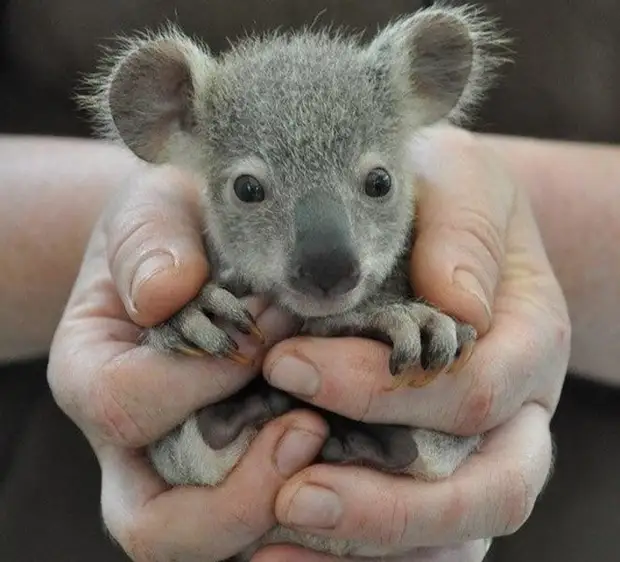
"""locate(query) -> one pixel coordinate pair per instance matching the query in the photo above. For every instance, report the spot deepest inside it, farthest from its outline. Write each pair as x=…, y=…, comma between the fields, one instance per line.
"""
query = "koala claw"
x=240, y=359
x=192, y=332
x=420, y=380
x=255, y=331
x=413, y=380
x=190, y=351
x=419, y=335
x=462, y=357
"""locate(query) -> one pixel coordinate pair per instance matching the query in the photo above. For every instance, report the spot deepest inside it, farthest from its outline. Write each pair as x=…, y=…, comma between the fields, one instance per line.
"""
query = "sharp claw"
x=411, y=380
x=418, y=380
x=191, y=351
x=253, y=328
x=239, y=358
x=257, y=333
x=463, y=358
x=398, y=381
x=423, y=380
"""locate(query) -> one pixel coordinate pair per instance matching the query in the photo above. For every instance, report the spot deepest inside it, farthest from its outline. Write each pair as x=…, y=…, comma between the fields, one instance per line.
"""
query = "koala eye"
x=248, y=189
x=378, y=183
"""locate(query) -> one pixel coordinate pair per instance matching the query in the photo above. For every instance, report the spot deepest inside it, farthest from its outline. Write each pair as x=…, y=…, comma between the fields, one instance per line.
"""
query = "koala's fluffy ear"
x=145, y=94
x=438, y=61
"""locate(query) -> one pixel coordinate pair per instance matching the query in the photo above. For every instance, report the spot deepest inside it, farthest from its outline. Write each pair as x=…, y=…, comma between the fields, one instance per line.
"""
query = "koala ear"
x=146, y=94
x=437, y=61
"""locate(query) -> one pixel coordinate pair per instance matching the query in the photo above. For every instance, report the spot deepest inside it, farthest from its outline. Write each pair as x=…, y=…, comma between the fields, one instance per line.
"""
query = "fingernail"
x=295, y=375
x=296, y=450
x=468, y=282
x=152, y=265
x=314, y=506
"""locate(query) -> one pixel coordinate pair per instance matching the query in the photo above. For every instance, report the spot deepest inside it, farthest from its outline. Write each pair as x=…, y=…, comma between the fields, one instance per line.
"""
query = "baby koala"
x=303, y=142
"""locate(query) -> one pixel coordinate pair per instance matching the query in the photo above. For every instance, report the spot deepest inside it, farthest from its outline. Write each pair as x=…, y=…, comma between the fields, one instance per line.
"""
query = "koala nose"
x=324, y=262
x=326, y=273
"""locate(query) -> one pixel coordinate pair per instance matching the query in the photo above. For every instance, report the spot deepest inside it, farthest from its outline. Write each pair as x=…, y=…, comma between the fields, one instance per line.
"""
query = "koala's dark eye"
x=249, y=190
x=378, y=183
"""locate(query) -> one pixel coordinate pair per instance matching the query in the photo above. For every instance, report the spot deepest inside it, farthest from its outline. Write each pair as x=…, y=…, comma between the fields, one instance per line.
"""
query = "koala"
x=303, y=143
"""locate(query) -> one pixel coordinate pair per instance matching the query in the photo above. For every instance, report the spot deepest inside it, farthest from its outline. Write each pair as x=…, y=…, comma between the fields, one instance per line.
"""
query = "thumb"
x=154, y=246
x=201, y=522
x=465, y=205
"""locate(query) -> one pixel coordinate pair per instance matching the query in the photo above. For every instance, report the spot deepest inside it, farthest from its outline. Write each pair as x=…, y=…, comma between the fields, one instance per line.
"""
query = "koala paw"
x=388, y=448
x=192, y=330
x=422, y=453
x=419, y=334
x=206, y=447
x=254, y=405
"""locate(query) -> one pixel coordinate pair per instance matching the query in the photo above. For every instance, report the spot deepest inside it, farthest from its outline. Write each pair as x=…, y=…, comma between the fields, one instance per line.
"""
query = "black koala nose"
x=326, y=273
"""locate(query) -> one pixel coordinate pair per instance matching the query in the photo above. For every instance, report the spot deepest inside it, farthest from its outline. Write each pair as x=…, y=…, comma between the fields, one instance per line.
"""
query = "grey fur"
x=308, y=114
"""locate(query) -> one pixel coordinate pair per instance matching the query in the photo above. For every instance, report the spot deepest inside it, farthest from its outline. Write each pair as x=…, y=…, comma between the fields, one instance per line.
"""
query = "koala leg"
x=182, y=458
x=208, y=445
x=254, y=405
x=440, y=454
x=192, y=330
x=419, y=334
x=422, y=453
x=385, y=447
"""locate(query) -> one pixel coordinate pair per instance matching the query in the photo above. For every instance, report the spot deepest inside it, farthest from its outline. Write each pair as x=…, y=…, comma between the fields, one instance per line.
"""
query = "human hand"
x=144, y=261
x=478, y=250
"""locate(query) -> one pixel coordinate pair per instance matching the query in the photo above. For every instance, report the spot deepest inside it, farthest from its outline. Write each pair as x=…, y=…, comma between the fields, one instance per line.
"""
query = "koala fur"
x=303, y=143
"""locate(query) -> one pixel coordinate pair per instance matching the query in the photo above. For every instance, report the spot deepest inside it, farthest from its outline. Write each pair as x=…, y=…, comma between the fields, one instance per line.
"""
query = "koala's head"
x=302, y=141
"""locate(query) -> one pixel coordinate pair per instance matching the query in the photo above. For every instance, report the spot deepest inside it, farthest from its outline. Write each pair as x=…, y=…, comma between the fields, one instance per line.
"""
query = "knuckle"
x=562, y=332
x=476, y=412
x=65, y=393
x=456, y=508
x=129, y=237
x=65, y=376
x=134, y=541
x=110, y=418
x=519, y=499
x=353, y=401
x=389, y=526
x=240, y=521
x=484, y=231
x=128, y=534
x=393, y=529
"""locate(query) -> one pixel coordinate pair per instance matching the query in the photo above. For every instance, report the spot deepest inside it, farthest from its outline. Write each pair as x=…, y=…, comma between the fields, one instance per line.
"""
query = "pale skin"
x=549, y=171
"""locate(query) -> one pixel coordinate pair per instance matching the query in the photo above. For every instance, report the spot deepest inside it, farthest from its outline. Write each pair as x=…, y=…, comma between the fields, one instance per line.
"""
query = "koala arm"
x=52, y=192
x=575, y=194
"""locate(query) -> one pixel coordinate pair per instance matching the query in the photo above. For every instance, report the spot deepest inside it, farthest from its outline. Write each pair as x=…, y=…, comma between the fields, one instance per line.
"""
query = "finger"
x=463, y=210
x=491, y=495
x=522, y=359
x=473, y=551
x=152, y=522
x=154, y=245
x=128, y=395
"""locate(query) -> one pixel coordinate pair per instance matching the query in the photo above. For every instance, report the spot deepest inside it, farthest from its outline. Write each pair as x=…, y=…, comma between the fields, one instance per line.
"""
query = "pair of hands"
x=478, y=250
